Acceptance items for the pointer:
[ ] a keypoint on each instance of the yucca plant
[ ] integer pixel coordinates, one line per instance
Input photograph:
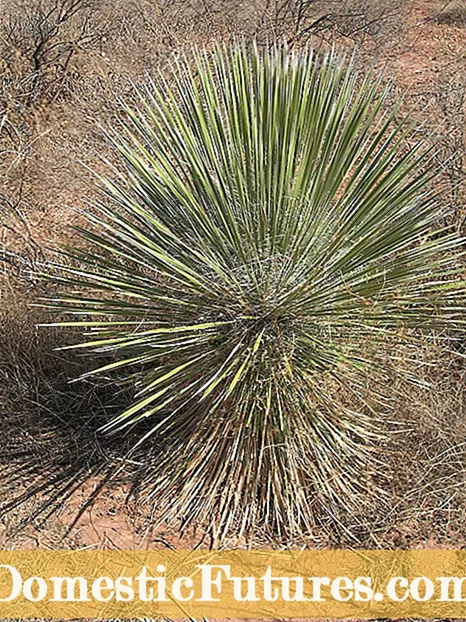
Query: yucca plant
(271, 240)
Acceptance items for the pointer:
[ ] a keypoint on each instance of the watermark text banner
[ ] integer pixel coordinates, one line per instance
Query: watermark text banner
(232, 584)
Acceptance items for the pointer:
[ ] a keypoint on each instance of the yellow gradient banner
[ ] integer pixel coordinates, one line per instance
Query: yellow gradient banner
(232, 584)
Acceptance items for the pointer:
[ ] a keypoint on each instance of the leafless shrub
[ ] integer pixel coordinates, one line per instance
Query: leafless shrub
(453, 13)
(41, 39)
(326, 19)
(450, 99)
(19, 251)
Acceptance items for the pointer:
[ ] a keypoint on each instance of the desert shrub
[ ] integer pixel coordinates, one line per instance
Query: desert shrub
(452, 13)
(261, 259)
(326, 20)
(40, 40)
(449, 95)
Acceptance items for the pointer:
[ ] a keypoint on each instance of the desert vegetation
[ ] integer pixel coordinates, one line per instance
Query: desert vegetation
(268, 238)
(275, 305)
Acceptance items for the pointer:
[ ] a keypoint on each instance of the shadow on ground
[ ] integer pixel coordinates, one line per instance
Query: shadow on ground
(50, 445)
